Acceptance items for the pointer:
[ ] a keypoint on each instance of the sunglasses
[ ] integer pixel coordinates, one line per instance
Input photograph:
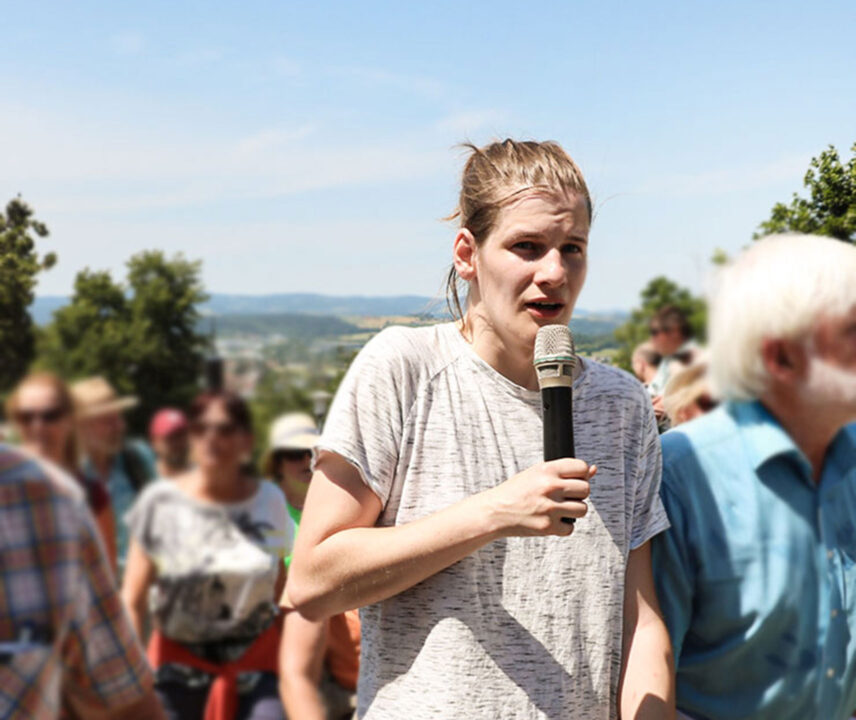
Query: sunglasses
(221, 430)
(706, 403)
(293, 455)
(46, 417)
(658, 330)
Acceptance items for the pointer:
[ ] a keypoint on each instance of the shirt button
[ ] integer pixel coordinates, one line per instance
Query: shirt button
(834, 613)
(830, 554)
(830, 673)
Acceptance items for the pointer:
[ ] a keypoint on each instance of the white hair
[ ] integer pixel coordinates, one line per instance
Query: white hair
(777, 289)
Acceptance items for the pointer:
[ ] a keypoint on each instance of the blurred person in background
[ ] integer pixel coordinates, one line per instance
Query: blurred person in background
(66, 647)
(41, 410)
(757, 574)
(671, 338)
(206, 557)
(169, 438)
(688, 394)
(319, 660)
(644, 362)
(319, 665)
(288, 461)
(118, 467)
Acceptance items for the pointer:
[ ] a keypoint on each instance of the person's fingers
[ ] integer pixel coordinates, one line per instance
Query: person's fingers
(573, 490)
(567, 468)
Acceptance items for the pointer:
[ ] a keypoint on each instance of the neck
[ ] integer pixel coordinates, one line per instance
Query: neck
(168, 469)
(812, 428)
(221, 483)
(515, 363)
(102, 462)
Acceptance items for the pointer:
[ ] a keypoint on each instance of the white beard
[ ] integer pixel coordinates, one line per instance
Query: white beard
(830, 386)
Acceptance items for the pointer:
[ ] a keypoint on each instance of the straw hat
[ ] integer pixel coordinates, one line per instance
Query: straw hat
(292, 431)
(95, 396)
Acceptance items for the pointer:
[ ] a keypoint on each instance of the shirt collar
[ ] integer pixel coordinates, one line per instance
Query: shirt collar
(763, 436)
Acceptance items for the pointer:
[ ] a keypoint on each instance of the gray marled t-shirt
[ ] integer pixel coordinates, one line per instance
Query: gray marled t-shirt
(524, 627)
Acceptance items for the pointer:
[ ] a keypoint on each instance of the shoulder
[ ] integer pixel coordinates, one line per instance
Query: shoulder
(610, 379)
(605, 385)
(430, 347)
(156, 493)
(270, 496)
(19, 468)
(693, 448)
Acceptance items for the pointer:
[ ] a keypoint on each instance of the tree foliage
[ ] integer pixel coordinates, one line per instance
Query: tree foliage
(656, 294)
(20, 266)
(142, 335)
(830, 208)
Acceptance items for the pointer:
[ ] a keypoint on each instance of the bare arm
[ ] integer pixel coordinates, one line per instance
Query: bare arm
(139, 575)
(301, 659)
(342, 562)
(647, 690)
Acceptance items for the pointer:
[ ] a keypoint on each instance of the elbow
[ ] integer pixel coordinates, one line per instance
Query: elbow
(305, 597)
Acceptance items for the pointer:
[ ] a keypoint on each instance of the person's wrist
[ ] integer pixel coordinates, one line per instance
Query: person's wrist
(489, 519)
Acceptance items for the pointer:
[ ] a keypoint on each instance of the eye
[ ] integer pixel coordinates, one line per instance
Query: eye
(525, 246)
(572, 248)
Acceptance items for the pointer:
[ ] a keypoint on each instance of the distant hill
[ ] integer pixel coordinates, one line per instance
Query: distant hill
(291, 325)
(322, 304)
(223, 305)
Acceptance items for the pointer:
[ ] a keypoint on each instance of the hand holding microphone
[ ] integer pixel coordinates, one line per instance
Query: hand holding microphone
(547, 498)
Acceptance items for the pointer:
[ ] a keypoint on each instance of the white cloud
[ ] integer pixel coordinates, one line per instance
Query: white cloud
(743, 178)
(75, 168)
(273, 138)
(412, 84)
(470, 121)
(199, 57)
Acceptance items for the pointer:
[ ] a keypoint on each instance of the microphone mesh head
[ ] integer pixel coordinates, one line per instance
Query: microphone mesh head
(554, 343)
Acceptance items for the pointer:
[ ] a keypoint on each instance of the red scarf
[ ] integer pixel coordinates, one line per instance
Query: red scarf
(222, 702)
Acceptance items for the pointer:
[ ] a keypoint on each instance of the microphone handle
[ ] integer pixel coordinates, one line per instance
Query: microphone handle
(557, 411)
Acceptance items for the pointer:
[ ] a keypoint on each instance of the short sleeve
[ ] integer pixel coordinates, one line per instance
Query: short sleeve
(104, 663)
(674, 574)
(280, 540)
(368, 414)
(649, 515)
(140, 517)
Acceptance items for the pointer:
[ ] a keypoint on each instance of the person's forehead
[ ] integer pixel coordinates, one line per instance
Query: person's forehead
(537, 209)
(37, 393)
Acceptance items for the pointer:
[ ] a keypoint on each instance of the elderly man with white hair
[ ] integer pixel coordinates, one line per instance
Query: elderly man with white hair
(757, 575)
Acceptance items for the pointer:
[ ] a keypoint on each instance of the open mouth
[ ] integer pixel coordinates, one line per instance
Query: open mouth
(544, 307)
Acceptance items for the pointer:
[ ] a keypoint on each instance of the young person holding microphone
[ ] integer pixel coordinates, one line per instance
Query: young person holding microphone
(432, 509)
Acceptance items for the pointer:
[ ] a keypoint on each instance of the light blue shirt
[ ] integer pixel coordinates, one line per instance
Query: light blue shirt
(122, 493)
(757, 575)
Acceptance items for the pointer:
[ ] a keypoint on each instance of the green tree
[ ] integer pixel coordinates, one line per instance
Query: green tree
(143, 336)
(657, 293)
(830, 208)
(20, 266)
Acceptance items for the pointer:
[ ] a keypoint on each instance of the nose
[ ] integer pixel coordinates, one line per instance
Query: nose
(551, 269)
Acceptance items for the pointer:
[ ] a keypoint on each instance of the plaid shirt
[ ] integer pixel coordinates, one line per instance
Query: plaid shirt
(65, 641)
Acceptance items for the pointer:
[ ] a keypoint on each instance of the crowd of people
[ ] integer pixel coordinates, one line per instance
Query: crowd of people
(196, 545)
(696, 559)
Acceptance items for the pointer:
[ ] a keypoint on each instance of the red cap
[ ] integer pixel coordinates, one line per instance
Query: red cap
(165, 422)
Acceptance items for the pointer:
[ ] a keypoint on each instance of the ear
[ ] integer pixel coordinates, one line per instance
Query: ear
(464, 255)
(785, 360)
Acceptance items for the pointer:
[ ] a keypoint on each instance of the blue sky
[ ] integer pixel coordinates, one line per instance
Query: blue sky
(310, 147)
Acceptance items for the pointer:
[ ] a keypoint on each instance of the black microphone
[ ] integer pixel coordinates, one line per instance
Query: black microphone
(554, 363)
